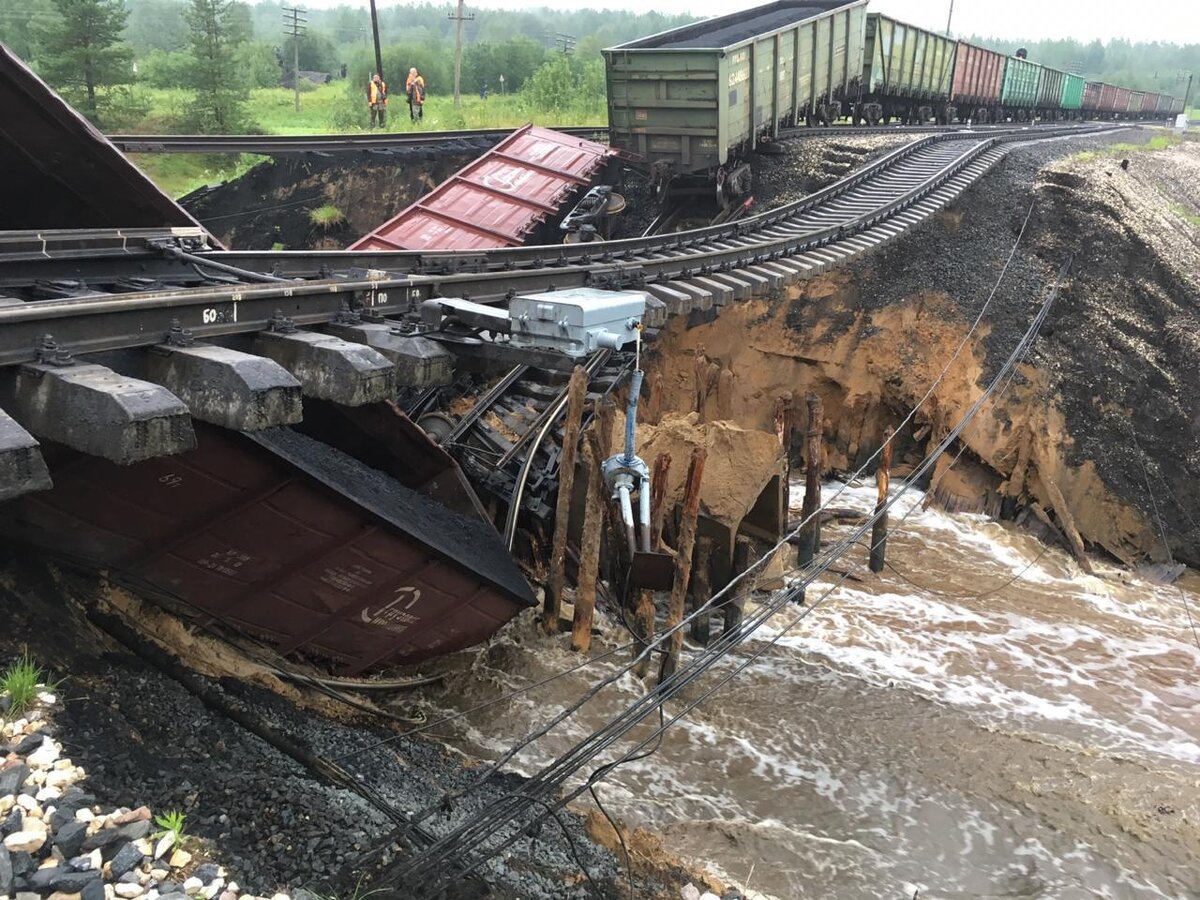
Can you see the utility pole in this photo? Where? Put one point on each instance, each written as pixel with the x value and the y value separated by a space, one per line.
pixel 1187 94
pixel 949 17
pixel 564 42
pixel 375 32
pixel 458 18
pixel 294 25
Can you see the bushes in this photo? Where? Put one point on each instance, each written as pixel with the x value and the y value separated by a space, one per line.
pixel 565 85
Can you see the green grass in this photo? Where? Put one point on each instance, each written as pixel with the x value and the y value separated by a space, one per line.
pixel 1186 214
pixel 171 823
pixel 1118 151
pixel 20 684
pixel 327 216
pixel 328 109
pixel 182 173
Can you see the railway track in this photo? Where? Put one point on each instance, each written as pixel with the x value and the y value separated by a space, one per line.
pixel 372 142
pixel 108 290
pixel 480 138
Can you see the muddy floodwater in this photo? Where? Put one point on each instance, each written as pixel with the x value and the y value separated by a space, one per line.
pixel 939 728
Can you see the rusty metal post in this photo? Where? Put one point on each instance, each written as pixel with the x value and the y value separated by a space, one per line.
pixel 879 529
pixel 643 619
pixel 683 559
pixel 702 590
pixel 810 534
pixel 589 552
pixel 552 603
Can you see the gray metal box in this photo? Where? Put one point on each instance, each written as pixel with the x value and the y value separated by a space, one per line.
pixel 576 321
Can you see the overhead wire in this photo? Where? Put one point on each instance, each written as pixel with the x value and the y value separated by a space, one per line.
pixel 706 607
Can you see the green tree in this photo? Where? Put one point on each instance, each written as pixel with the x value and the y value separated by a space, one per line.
pixel 79 50
pixel 16 25
pixel 219 105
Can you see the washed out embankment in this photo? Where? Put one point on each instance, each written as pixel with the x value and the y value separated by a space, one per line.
pixel 1106 401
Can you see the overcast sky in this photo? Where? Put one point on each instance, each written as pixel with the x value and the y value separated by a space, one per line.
pixel 1177 21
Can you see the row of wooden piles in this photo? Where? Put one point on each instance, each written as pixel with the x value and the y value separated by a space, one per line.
pixel 691 553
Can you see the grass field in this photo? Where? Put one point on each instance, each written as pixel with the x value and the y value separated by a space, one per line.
pixel 328 109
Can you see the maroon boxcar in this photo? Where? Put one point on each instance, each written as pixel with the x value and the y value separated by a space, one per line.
pixel 497 200
pixel 1091 95
pixel 287 539
pixel 1149 102
pixel 1121 102
pixel 1108 98
pixel 978 75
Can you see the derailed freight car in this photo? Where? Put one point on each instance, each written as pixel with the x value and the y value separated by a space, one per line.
pixel 978 77
pixel 907 74
pixel 699 98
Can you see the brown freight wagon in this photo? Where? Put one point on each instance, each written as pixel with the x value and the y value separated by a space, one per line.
pixel 1091 96
pixel 978 76
pixel 279 536
pixel 1121 103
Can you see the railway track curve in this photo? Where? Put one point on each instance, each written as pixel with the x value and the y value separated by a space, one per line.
pixel 108 289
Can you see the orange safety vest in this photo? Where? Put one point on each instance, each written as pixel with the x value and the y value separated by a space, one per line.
pixel 375 91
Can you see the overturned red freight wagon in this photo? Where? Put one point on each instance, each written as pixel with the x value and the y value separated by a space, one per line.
pixel 282 537
pixel 498 200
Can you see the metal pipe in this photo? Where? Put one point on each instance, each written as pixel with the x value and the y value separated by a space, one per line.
pixel 627 515
pixel 635 388
pixel 644 510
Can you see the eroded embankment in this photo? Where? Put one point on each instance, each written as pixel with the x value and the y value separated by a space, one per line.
pixel 1110 387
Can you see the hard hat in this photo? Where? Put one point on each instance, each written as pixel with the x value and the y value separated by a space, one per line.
pixel 412 71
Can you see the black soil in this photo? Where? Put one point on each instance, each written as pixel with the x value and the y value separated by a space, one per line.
pixel 144 739
pixel 269 207
pixel 725 35
pixel 1134 412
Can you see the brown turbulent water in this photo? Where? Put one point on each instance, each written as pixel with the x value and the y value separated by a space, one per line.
pixel 1042 740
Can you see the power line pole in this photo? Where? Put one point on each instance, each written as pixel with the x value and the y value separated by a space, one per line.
pixel 458 18
pixel 375 32
pixel 949 17
pixel 294 25
pixel 563 42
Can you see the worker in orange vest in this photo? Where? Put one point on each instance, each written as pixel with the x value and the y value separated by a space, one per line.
pixel 415 87
pixel 377 98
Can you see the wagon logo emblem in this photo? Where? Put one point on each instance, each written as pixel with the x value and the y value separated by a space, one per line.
pixel 394 615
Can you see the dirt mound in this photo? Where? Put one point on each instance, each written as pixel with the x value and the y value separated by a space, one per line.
pixel 740 463
pixel 269 207
pixel 1107 403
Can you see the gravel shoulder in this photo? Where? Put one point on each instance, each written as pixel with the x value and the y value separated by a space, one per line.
pixel 138 739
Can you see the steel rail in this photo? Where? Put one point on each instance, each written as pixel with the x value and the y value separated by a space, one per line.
pixel 282 144
pixel 140 319
pixel 285 144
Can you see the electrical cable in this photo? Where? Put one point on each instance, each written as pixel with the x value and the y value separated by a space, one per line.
pixel 1162 531
pixel 426 864
pixel 495 767
pixel 659 639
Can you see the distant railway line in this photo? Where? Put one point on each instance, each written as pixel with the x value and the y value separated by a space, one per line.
pixel 384 144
